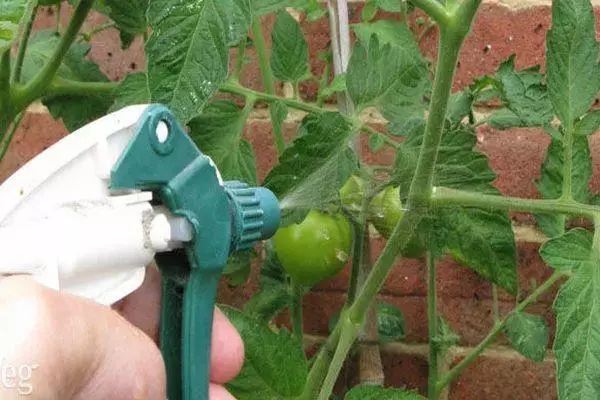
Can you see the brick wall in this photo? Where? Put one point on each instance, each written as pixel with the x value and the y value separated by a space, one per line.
pixel 501 28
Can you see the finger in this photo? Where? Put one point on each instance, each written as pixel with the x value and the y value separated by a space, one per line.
pixel 227 350
pixel 142 307
pixel 80 349
pixel 217 392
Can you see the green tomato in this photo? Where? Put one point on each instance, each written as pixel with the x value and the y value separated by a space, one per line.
pixel 316 249
pixel 351 195
pixel 385 211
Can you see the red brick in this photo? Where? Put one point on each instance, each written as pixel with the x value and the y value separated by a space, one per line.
pixel 500 378
pixel 36 133
pixel 405 371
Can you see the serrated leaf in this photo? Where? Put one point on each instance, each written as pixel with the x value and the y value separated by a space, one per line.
pixel 337 85
pixel 130 18
pixel 571 59
pixel 74 110
pixel 481 239
pixel 289 53
pixel 317 163
pixel 386 70
pixel 525 95
pixel 589 124
pixel 551 179
pixel 577 343
pixel 11 14
pixel 132 90
pixel 218 133
pixel 568 251
pixel 187 52
pixel 458 165
pixel 272 273
pixel 274 366
pixel 267 303
pixel 369 392
pixel 528 334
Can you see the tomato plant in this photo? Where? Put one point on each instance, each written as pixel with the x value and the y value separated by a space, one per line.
pixel 438 197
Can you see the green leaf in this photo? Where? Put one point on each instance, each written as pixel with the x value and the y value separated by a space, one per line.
pixel 551 179
pixel 187 52
pixel 74 110
pixel 130 18
pixel 316 165
pixel 460 106
pixel 577 343
pixel 392 5
pixel 261 7
pixel 217 132
pixel 274 366
pixel 525 95
pixel 267 303
pixel 238 268
pixel 132 90
pixel 369 392
pixel 272 274
pixel 481 239
pixel 376 143
pixel 528 334
pixel 386 70
pixel 289 54
pixel 337 85
pixel 458 165
pixel 11 14
pixel 504 119
pixel 568 251
pixel 369 10
pixel 571 59
pixel 589 124
pixel 391 325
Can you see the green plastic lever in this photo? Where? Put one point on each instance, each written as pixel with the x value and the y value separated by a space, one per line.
pixel 225 217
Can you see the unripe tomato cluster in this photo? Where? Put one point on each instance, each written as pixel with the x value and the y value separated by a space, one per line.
pixel 319 247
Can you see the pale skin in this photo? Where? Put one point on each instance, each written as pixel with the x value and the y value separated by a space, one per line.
pixel 77 349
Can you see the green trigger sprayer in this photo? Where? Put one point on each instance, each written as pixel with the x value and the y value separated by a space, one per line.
pixel 89 213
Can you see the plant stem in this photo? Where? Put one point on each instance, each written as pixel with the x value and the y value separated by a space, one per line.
pixel 498 327
pixel 11 132
pixel 236 88
pixel 297 293
pixel 60 86
pixel 349 333
pixel 5 100
pixel 57 17
pixel 432 326
pixel 323 84
pixel 452 197
pixel 16 76
pixel 388 141
pixel 239 61
pixel 34 89
pixel 267 78
pixel 87 36
pixel 434 9
pixel 495 303
pixel 567 187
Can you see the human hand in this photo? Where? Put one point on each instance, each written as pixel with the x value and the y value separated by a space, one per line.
pixel 57 346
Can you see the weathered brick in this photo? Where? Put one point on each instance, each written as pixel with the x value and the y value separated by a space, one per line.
pixel 500 378
pixel 36 133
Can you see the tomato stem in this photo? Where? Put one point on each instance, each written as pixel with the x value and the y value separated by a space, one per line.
pixel 16 76
pixel 297 293
pixel 497 329
pixel 267 78
pixel 432 327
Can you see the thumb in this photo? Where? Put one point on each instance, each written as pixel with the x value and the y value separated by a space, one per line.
pixel 58 346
